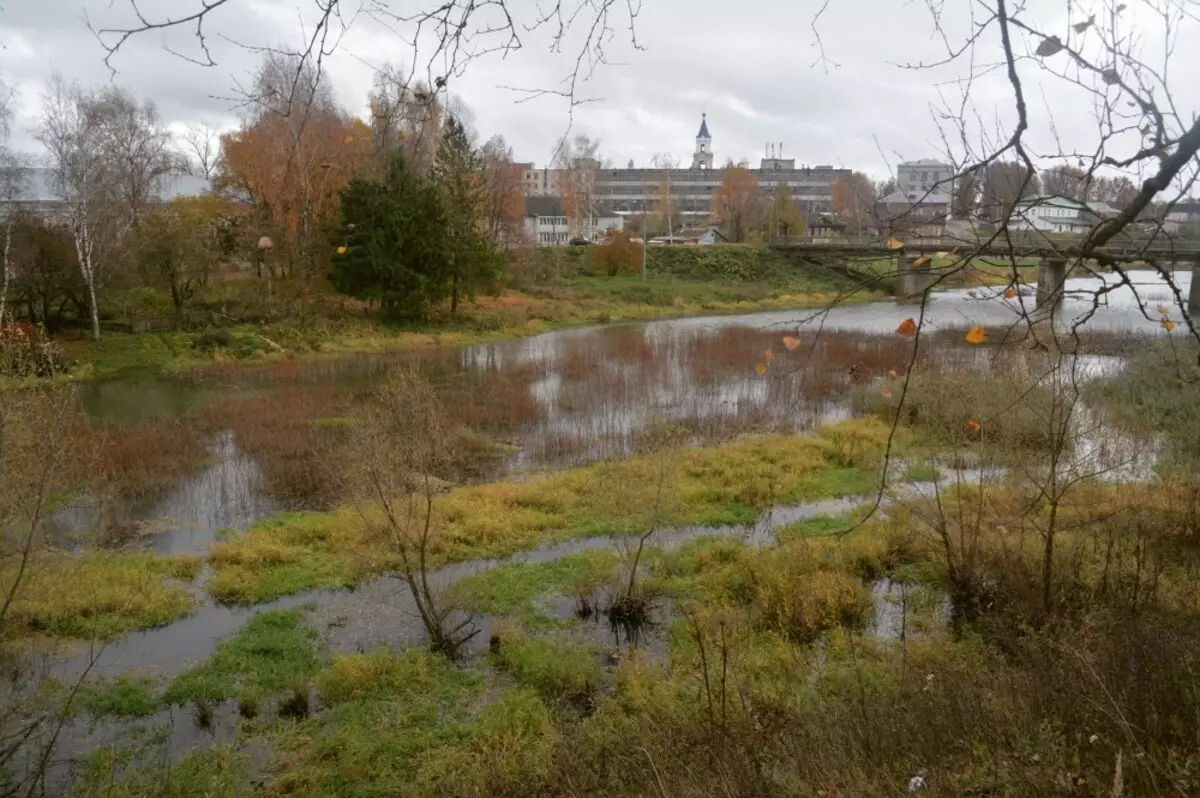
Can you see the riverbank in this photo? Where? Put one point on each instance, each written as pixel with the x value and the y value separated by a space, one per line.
pixel 336 328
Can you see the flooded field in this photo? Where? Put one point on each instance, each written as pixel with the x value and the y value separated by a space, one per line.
pixel 266 439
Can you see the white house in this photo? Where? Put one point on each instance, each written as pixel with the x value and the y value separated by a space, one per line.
pixel 547 223
pixel 1052 214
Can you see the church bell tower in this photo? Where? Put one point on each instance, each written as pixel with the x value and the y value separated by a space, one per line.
pixel 703 157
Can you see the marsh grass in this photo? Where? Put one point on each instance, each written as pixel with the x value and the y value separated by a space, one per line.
pixel 514 590
pixel 97 594
pixel 559 670
pixel 718 485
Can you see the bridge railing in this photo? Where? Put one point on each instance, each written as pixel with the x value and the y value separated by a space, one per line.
pixel 1030 242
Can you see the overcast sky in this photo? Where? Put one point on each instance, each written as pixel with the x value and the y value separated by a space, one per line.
pixel 754 66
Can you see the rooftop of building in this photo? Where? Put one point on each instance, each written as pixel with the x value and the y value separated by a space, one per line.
pixel 927 162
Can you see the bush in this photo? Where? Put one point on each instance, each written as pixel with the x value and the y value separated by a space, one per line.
pixel 26 351
pixel 213 339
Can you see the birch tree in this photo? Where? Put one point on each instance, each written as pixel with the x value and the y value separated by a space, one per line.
pixel 10 177
pixel 137 148
pixel 72 131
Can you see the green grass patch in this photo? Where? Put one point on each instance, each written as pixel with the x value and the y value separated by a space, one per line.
pixel 416 675
pixel 276 651
pixel 556 669
pixel 709 486
pixel 333 422
pixel 512 590
pixel 135 771
pixel 921 472
pixel 96 594
pixel 428 739
pixel 126 696
pixel 817 526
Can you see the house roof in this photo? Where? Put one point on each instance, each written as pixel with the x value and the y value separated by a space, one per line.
pixel 925 162
pixel 703 134
pixel 36 184
pixel 544 206
pixel 1102 209
pixel 696 233
pixel 1052 199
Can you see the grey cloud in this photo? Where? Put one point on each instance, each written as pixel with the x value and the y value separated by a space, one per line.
pixel 754 67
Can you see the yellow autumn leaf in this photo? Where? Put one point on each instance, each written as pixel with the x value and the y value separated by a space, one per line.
pixel 1010 293
pixel 790 343
pixel 1167 324
pixel 347 139
pixel 760 368
pixel 976 335
pixel 767 355
pixel 907 328
pixel 341 250
pixel 972 427
pixel 921 261
pixel 894 243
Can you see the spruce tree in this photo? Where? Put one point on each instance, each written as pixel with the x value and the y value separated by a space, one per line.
pixel 393 245
pixel 475 261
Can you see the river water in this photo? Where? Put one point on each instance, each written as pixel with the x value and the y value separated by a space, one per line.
pixel 575 396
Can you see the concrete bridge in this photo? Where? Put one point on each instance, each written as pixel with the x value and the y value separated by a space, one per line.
pixel 914 268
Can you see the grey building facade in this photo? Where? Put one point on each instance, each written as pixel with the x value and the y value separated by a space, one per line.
pixel 636 192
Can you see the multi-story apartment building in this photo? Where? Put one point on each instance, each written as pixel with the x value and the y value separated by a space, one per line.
pixel 923 176
pixel 633 192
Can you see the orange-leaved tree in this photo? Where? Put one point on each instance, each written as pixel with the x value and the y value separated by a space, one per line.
pixel 291 159
pixel 852 196
pixel 736 204
pixel 504 193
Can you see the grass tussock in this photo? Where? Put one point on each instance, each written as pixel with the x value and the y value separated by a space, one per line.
pixel 96 594
pixel 715 485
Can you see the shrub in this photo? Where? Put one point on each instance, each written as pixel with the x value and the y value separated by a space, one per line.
pixel 213 339
pixel 26 351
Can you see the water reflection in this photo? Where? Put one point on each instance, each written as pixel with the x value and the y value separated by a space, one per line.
pixel 575 396
pixel 226 493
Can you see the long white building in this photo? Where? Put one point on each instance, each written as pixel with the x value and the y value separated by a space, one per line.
pixel 634 192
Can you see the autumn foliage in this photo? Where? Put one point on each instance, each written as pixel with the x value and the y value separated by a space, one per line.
pixel 736 204
pixel 292 174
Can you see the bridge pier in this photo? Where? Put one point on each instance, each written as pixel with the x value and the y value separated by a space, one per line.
pixel 914 280
pixel 1051 274
pixel 1194 291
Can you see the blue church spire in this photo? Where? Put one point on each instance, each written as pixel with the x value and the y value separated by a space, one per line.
pixel 703 134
